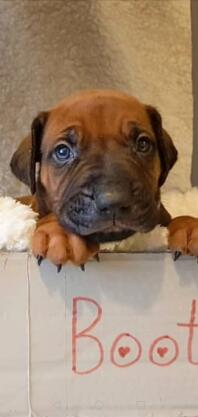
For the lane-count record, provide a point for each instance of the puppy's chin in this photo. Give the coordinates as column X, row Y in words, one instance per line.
column 113, row 234
column 102, row 237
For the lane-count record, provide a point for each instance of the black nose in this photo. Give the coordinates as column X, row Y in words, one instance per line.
column 113, row 202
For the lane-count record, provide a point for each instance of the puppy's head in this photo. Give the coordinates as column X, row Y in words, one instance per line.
column 102, row 157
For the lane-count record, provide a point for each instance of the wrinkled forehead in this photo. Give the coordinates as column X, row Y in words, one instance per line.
column 97, row 116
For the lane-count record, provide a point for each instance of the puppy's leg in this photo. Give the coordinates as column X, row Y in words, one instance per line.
column 193, row 239
column 183, row 236
column 51, row 241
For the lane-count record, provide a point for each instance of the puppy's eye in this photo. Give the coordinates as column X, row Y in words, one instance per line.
column 62, row 153
column 144, row 144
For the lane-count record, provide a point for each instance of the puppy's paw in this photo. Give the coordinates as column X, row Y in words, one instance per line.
column 183, row 236
column 52, row 242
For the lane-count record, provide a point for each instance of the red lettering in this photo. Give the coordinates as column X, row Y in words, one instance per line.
column 191, row 325
column 162, row 351
column 85, row 334
column 125, row 350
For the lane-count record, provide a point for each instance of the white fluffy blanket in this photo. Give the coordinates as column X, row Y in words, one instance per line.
column 17, row 224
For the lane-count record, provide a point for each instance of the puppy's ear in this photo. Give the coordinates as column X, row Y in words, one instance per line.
column 167, row 151
column 20, row 162
column 37, row 130
column 23, row 162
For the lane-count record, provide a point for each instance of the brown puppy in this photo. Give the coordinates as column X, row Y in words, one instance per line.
column 102, row 157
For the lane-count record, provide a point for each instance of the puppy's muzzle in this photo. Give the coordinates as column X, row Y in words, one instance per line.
column 108, row 204
column 110, row 212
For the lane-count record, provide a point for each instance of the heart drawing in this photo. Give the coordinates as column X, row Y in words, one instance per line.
column 162, row 351
column 124, row 351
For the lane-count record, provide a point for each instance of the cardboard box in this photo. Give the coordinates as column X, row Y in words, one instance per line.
column 118, row 340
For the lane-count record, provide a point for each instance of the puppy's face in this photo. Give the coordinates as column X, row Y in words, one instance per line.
column 103, row 156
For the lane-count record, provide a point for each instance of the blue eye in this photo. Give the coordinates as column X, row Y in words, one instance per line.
column 144, row 144
column 63, row 153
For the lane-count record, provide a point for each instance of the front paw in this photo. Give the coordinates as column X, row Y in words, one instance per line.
column 51, row 241
column 183, row 236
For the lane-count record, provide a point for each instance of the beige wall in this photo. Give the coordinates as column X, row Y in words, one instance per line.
column 49, row 48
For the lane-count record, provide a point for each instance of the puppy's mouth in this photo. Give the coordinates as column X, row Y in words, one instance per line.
column 100, row 231
column 84, row 219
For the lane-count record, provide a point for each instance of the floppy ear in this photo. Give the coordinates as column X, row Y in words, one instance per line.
column 37, row 130
column 23, row 162
column 20, row 162
column 167, row 151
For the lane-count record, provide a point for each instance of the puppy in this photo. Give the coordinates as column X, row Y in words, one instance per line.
column 95, row 164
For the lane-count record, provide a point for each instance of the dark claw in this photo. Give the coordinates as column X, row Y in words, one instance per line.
column 97, row 257
column 82, row 267
column 59, row 267
column 177, row 255
column 39, row 259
